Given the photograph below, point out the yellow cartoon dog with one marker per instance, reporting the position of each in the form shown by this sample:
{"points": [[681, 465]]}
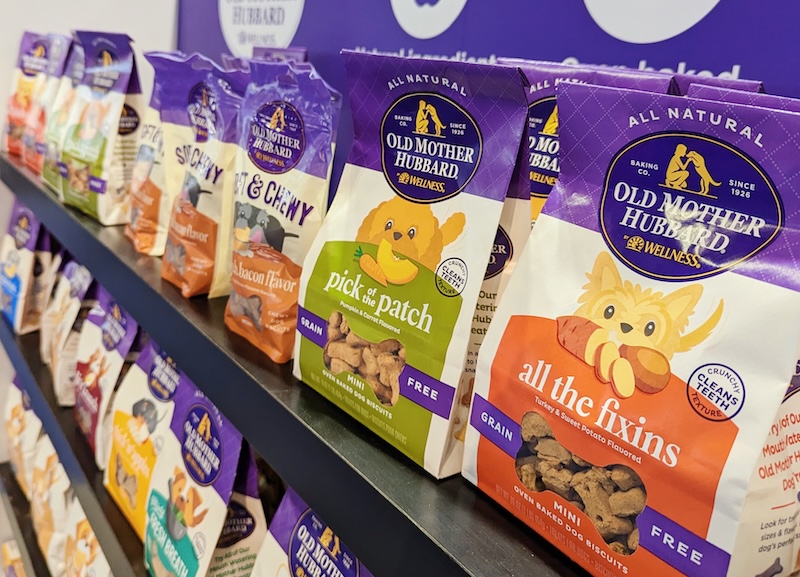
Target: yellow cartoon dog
{"points": [[629, 333], [81, 550], [411, 229]]}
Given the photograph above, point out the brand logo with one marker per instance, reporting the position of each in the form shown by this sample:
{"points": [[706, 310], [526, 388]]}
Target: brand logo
{"points": [[680, 206], [114, 326], [502, 251], [259, 23], [543, 146], [430, 147], [22, 230], [35, 60], [426, 19], [277, 138], [128, 121], [104, 76], [201, 446], [164, 377], [76, 65], [202, 110], [314, 549], [648, 22], [239, 524]]}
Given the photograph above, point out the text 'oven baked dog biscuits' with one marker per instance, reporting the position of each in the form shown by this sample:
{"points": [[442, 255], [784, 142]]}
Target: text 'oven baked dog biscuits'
{"points": [[282, 176], [150, 199], [405, 247], [42, 102], [109, 344], [199, 113], [627, 337], [102, 129], [203, 517], [140, 413], [300, 543], [29, 74], [53, 169]]}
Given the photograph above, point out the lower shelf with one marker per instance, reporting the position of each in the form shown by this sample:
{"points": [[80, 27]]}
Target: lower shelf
{"points": [[19, 517]]}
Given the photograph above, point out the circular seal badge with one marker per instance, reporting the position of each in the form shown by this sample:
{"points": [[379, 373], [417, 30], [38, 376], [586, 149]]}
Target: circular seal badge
{"points": [[202, 110], [715, 392], [277, 138], [313, 543], [128, 121], [164, 377], [430, 147], [502, 252], [201, 447], [544, 146], [451, 277], [679, 206]]}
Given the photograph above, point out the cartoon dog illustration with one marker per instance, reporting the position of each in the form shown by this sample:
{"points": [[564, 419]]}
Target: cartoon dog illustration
{"points": [[81, 550], [411, 229], [191, 190], [700, 168], [629, 333], [186, 501], [15, 427], [143, 421], [92, 119], [41, 512], [252, 225], [94, 369]]}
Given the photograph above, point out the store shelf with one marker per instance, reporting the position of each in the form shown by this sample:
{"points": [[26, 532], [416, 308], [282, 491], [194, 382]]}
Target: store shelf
{"points": [[116, 537], [19, 517], [397, 519]]}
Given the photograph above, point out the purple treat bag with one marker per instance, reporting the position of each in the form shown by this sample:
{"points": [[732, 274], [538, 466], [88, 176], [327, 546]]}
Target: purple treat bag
{"points": [[18, 269]]}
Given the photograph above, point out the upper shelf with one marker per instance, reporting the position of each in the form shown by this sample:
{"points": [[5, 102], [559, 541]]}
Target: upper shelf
{"points": [[398, 520]]}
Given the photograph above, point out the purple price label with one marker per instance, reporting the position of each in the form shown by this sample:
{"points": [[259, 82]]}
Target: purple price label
{"points": [[312, 327], [97, 185], [688, 553], [426, 391], [495, 425], [62, 170], [40, 147]]}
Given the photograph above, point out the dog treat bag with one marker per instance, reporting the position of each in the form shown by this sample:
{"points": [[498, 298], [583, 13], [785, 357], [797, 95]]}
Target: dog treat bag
{"points": [[47, 324], [23, 429], [141, 413], [50, 497], [199, 111], [11, 559], [151, 200], [102, 130], [627, 384], [17, 258], [191, 487], [300, 543], [282, 167], [108, 342], [53, 170], [83, 555], [684, 81], [74, 298], [42, 102], [389, 288], [742, 97], [29, 75]]}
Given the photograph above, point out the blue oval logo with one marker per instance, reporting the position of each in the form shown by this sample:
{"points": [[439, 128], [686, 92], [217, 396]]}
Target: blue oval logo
{"points": [[502, 251], [277, 138], [114, 327], [202, 111], [164, 377], [34, 61], [201, 448], [543, 146], [314, 540], [679, 206], [430, 147]]}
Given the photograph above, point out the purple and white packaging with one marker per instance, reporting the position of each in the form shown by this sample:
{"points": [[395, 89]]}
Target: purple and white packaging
{"points": [[741, 97], [47, 325], [300, 543], [681, 214], [17, 260], [684, 81]]}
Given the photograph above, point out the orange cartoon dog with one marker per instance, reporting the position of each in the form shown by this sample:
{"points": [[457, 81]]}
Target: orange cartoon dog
{"points": [[186, 499], [81, 550], [411, 229], [629, 333]]}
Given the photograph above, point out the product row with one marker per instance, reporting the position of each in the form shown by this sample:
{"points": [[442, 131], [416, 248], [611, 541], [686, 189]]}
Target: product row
{"points": [[604, 375]]}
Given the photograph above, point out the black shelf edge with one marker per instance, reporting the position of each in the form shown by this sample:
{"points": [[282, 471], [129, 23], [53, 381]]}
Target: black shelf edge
{"points": [[396, 518], [117, 539], [19, 517]]}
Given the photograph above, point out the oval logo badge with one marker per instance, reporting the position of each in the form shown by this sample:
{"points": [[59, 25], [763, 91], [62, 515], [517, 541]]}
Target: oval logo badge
{"points": [[164, 377], [128, 121], [502, 251], [277, 138], [239, 524], [543, 146], [202, 110], [311, 538], [682, 206], [34, 61], [114, 326], [201, 447], [430, 147]]}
